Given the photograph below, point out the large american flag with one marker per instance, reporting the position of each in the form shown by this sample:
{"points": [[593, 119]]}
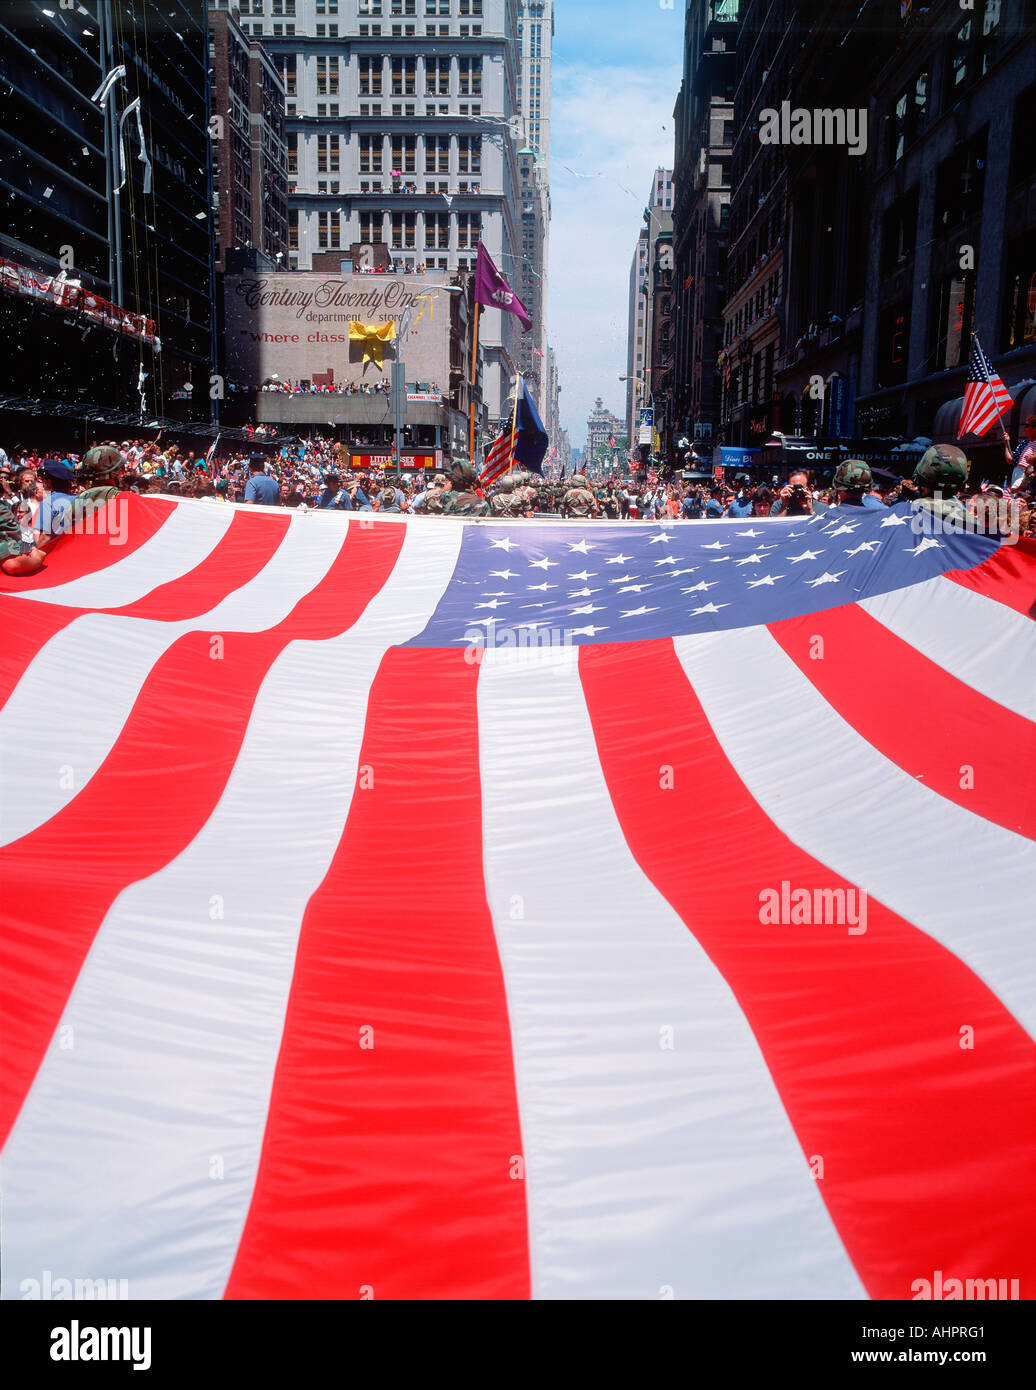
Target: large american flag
{"points": [[986, 398], [388, 907]]}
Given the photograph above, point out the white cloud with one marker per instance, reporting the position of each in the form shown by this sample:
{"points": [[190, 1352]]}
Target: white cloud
{"points": [[616, 123]]}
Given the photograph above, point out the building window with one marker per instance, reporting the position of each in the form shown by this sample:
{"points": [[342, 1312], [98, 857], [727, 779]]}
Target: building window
{"points": [[470, 74], [959, 184], [437, 77], [469, 154], [469, 230], [293, 229], [404, 76], [899, 234], [370, 76], [403, 231], [404, 153], [370, 154], [953, 309], [371, 224], [437, 154], [436, 231]]}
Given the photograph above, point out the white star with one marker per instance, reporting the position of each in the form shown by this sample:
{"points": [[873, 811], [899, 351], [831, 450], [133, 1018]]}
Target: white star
{"points": [[589, 631], [662, 536], [700, 588], [825, 579], [709, 608], [581, 546], [535, 605], [583, 593], [633, 588], [817, 516], [842, 531], [624, 579], [499, 593], [767, 579], [894, 520], [542, 587], [748, 533], [637, 612], [766, 547], [864, 545], [504, 574], [583, 574], [505, 544], [531, 622], [485, 621], [543, 564], [806, 555], [717, 545], [929, 543], [618, 559], [493, 603], [674, 573], [669, 560], [587, 608], [792, 534], [720, 559], [749, 560]]}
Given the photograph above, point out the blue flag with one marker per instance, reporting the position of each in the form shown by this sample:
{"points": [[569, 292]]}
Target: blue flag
{"points": [[530, 436]]}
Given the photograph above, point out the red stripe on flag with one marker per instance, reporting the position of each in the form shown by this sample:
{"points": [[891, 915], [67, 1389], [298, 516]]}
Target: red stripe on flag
{"points": [[74, 556], [241, 553], [389, 1167], [926, 1146], [1008, 577], [878, 684], [148, 800]]}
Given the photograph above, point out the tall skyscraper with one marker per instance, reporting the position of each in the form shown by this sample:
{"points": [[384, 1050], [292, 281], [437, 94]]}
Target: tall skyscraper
{"points": [[403, 137]]}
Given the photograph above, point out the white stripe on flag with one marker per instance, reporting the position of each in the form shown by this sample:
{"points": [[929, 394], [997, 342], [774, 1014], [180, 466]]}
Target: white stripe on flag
{"points": [[983, 643], [178, 1017], [958, 877], [179, 544], [106, 659], [640, 1161]]}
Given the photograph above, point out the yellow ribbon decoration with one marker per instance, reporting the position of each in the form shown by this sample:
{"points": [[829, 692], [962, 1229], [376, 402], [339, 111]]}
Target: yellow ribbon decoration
{"points": [[373, 336]]}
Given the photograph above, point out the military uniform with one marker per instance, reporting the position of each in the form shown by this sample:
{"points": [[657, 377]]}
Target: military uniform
{"points": [[462, 499], [10, 533], [101, 462], [854, 477], [941, 472], [579, 500]]}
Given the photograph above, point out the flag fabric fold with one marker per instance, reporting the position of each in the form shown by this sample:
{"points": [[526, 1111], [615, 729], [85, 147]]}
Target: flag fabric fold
{"points": [[517, 909]]}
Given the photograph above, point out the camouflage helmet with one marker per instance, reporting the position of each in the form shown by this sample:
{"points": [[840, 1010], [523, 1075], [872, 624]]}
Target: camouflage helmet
{"points": [[463, 475], [853, 475], [521, 478], [578, 480], [102, 459], [943, 467]]}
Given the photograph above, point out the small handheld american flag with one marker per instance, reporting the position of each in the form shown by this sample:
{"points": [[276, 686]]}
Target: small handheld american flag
{"points": [[986, 398], [499, 457]]}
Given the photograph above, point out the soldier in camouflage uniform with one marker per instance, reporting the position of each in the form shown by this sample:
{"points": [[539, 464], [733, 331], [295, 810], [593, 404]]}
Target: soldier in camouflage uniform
{"points": [[940, 474], [853, 482], [578, 499], [98, 469], [515, 495], [462, 499]]}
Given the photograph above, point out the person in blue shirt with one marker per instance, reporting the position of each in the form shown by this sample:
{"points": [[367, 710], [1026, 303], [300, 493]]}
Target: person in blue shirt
{"points": [[714, 506], [334, 495], [742, 504], [55, 511], [261, 489]]}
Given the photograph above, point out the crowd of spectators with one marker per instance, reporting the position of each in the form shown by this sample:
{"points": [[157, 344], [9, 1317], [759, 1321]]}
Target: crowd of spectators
{"points": [[315, 473]]}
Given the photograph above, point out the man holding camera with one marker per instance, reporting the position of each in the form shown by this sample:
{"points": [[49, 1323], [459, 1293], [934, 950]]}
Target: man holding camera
{"points": [[795, 498]]}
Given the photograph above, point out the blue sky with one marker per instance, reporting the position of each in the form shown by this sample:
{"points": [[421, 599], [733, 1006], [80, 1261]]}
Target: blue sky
{"points": [[617, 70]]}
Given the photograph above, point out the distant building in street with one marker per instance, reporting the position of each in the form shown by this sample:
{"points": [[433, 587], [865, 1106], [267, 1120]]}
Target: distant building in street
{"points": [[531, 268], [250, 172], [605, 439], [402, 136]]}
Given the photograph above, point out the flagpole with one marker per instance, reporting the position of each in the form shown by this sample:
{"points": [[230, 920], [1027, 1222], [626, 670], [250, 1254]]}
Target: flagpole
{"points": [[999, 412], [514, 421], [471, 410]]}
